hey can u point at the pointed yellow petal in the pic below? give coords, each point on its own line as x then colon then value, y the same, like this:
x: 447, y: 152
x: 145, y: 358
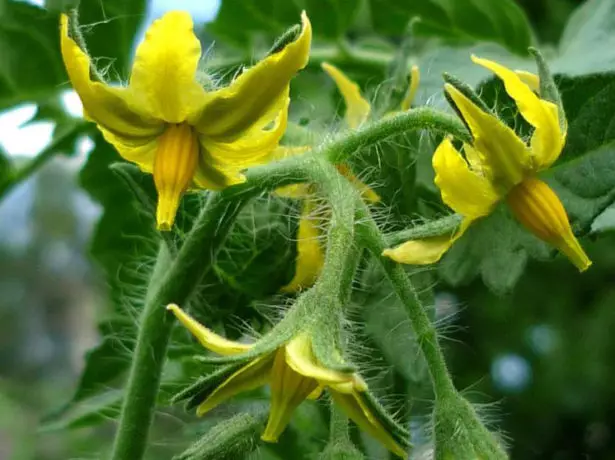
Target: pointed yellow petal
x: 548, y: 139
x: 206, y: 337
x: 255, y: 146
x: 530, y: 79
x: 138, y: 151
x: 357, y: 108
x: 360, y: 414
x: 466, y: 192
x: 175, y: 163
x: 415, y: 79
x: 539, y: 209
x: 111, y: 108
x: 253, y: 375
x: 366, y: 191
x: 427, y: 250
x: 506, y: 155
x: 310, y: 255
x: 300, y: 357
x: 164, y: 72
x: 288, y: 390
x: 259, y: 93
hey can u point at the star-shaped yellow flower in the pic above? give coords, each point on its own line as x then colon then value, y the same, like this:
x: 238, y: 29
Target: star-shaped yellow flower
x: 310, y: 254
x: 498, y: 165
x: 169, y: 125
x: 294, y: 374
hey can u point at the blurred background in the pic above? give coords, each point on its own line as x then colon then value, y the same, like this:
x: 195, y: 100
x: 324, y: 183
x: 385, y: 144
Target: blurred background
x: 540, y: 357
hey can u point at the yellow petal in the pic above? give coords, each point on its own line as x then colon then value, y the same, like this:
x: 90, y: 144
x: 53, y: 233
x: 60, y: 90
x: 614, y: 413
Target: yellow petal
x: 415, y: 79
x: 548, y: 139
x: 427, y: 250
x: 111, y: 108
x: 310, y: 255
x: 300, y: 357
x: 360, y: 414
x: 253, y: 375
x: 164, y: 70
x: 259, y: 93
x: 366, y: 191
x: 539, y: 209
x: 288, y: 390
x: 465, y: 191
x: 175, y: 163
x: 530, y: 79
x: 255, y: 146
x: 357, y: 108
x: 506, y: 155
x: 139, y: 151
x: 206, y: 337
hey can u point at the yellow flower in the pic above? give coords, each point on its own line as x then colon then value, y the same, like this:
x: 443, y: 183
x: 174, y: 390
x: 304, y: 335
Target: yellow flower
x: 500, y: 166
x: 310, y: 254
x: 169, y: 125
x: 293, y: 374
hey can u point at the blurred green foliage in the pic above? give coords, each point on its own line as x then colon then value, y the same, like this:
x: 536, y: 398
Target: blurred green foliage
x: 501, y: 296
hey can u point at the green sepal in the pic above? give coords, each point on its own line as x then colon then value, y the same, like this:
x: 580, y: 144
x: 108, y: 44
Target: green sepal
x: 548, y: 88
x: 286, y: 38
x: 443, y: 226
x: 229, y: 440
x: 400, y: 434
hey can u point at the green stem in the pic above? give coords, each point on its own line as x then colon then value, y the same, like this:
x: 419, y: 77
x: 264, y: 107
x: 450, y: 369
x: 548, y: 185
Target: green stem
x: 424, y: 330
x: 412, y: 120
x: 339, y: 426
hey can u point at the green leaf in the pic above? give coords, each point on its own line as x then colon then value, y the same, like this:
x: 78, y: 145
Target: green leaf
x: 497, y: 247
x: 501, y: 22
x: 588, y: 43
x: 86, y: 412
x: 32, y: 66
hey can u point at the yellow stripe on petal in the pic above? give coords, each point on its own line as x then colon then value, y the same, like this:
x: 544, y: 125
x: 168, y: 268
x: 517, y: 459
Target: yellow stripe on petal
x: 288, y: 390
x: 258, y: 94
x: 111, y: 108
x: 253, y: 375
x: 357, y: 108
x: 310, y: 254
x: 427, y: 250
x: 164, y: 72
x: 207, y: 337
x: 506, y: 154
x: 466, y: 192
x: 300, y: 357
x: 539, y: 209
x: 415, y: 79
x: 548, y: 139
x: 360, y: 414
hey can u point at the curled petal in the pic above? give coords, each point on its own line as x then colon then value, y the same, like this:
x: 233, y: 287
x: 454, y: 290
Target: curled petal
x: 258, y: 94
x: 415, y: 79
x: 288, y: 390
x: 548, y: 139
x: 427, y: 250
x: 357, y: 108
x: 207, y: 337
x: 539, y: 209
x: 253, y: 375
x: 110, y: 108
x: 367, y: 421
x: 530, y: 79
x: 300, y: 358
x: 310, y: 255
x: 136, y: 150
x: 465, y: 191
x: 163, y: 76
x: 506, y: 155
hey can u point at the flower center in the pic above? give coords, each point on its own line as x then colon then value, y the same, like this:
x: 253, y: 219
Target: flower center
x: 174, y: 167
x: 539, y: 209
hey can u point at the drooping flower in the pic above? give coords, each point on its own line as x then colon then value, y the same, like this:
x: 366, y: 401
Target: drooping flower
x: 500, y: 166
x: 164, y: 120
x: 293, y: 374
x: 310, y: 253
